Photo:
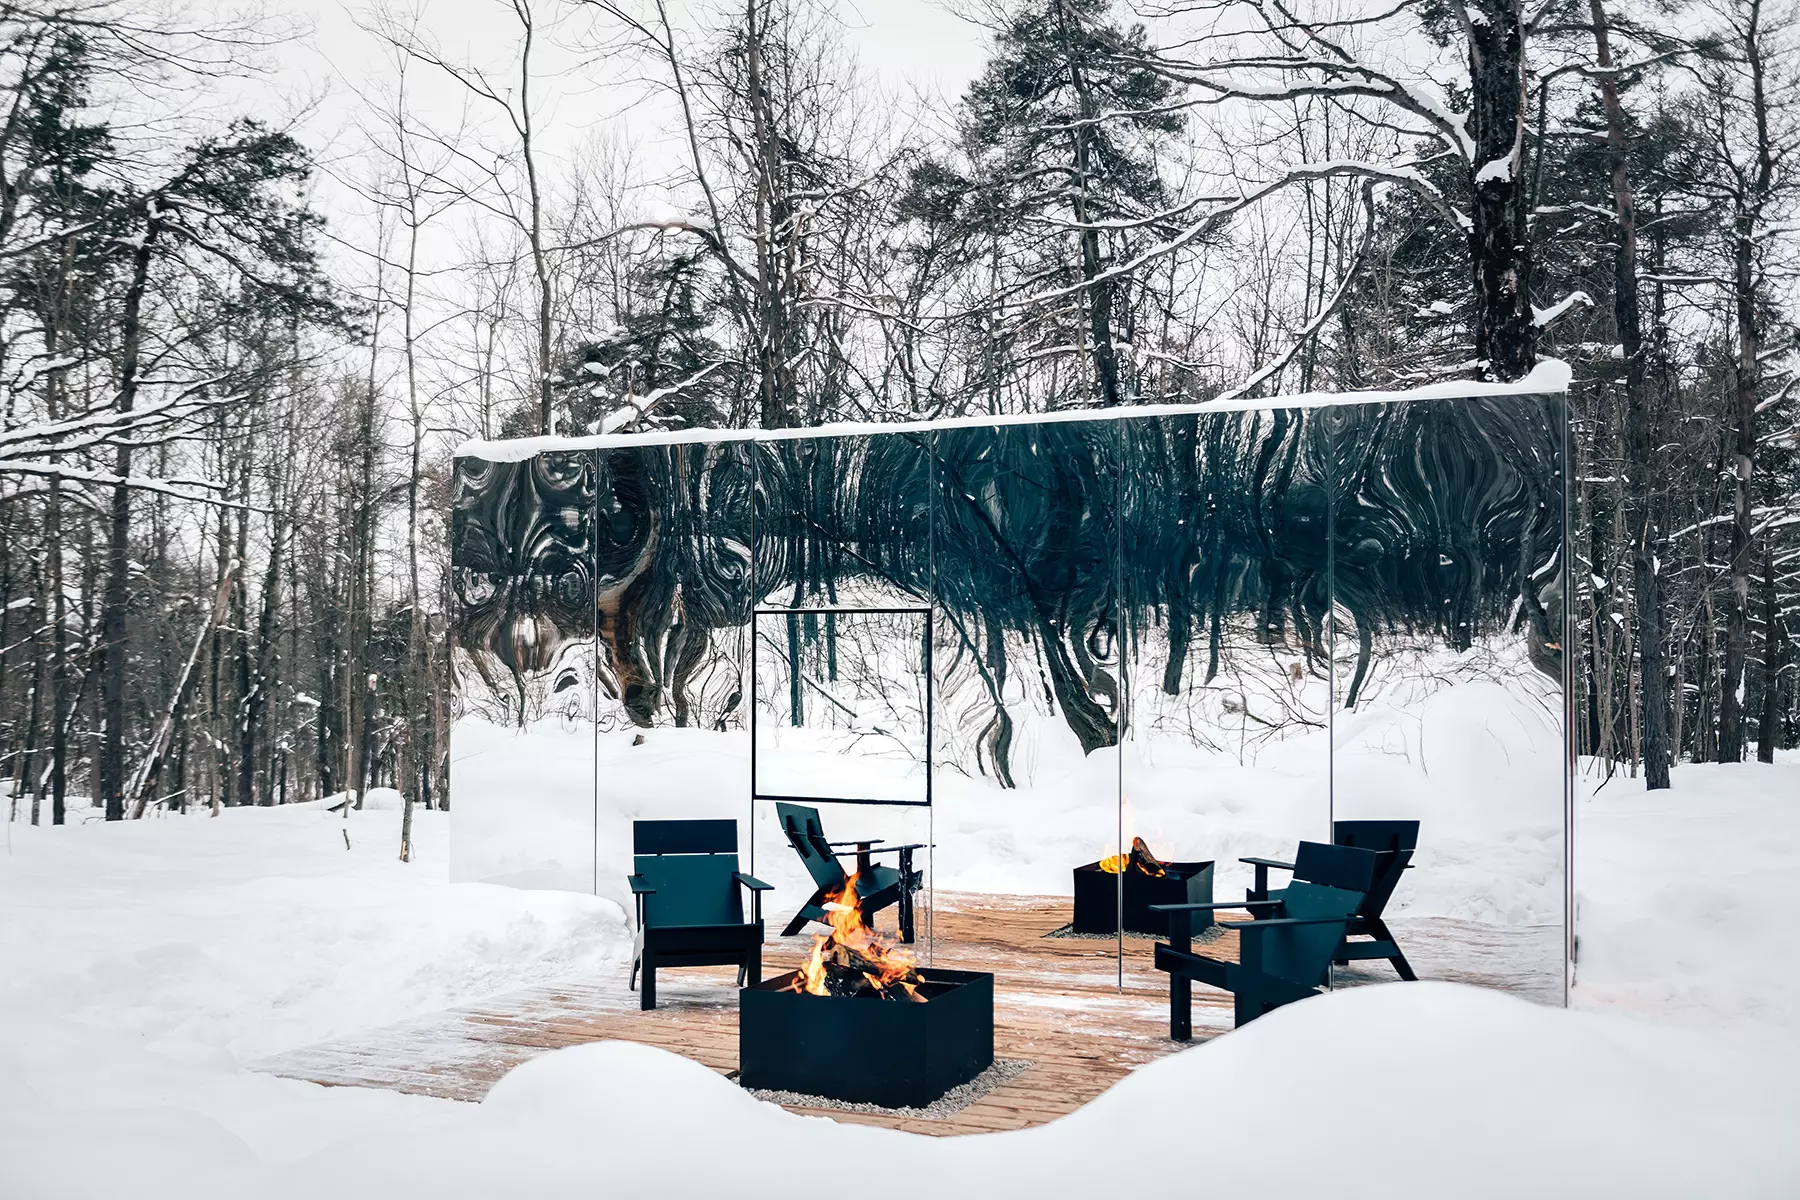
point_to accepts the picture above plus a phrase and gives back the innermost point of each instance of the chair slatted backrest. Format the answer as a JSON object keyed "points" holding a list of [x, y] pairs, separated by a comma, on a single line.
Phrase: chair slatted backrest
{"points": [[1348, 867], [1393, 841], [1303, 953], [692, 865], [807, 836]]}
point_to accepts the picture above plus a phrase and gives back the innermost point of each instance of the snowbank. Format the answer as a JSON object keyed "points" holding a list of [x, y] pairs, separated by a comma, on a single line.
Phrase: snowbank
{"points": [[265, 929], [1440, 1090], [1686, 897], [1458, 1091]]}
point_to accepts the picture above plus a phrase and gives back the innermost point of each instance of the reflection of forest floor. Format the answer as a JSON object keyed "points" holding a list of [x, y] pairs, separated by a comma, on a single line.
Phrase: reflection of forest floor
{"points": [[1085, 1018]]}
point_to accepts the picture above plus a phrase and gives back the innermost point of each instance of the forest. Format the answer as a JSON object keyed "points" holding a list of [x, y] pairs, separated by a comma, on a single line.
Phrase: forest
{"points": [[244, 326]]}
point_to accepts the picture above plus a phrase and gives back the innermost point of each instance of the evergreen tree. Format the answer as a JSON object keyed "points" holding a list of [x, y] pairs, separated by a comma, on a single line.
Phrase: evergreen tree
{"points": [[1062, 130], [660, 368]]}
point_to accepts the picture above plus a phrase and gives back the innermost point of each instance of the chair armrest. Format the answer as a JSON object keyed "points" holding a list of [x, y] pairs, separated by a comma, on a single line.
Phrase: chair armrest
{"points": [[1274, 921], [1268, 862], [858, 842], [639, 885], [873, 850], [752, 882], [1210, 907]]}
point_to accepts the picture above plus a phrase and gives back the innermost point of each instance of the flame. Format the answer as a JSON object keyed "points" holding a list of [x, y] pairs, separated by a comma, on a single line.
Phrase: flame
{"points": [[1140, 857], [851, 945]]}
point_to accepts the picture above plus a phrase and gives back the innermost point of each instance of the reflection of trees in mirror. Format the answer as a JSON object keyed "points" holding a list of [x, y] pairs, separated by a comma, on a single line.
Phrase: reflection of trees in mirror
{"points": [[1448, 521], [858, 672], [855, 680], [1210, 547], [522, 565]]}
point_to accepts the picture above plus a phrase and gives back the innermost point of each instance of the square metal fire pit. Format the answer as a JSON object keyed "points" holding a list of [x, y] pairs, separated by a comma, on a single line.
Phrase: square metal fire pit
{"points": [[1097, 897], [866, 1050]]}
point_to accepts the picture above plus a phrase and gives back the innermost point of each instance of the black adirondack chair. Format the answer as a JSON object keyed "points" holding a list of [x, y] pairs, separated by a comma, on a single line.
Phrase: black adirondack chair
{"points": [[877, 885], [690, 911], [1394, 842], [1284, 953]]}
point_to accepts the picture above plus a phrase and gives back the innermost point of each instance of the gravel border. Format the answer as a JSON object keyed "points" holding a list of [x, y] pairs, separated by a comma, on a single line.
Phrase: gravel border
{"points": [[1003, 1072], [1210, 934]]}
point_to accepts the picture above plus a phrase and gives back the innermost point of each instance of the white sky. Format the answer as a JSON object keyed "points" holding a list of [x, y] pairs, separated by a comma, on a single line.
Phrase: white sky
{"points": [[326, 78], [910, 46]]}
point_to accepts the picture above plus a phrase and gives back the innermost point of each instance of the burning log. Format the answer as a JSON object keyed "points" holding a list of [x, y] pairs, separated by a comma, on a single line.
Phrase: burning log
{"points": [[854, 960], [1140, 858]]}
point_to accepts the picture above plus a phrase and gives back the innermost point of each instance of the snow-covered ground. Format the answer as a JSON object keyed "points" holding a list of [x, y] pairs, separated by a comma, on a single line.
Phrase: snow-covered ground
{"points": [[141, 963], [265, 929], [1687, 898]]}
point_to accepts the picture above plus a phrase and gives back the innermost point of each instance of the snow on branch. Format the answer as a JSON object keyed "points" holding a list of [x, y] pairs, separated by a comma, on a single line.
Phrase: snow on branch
{"points": [[1403, 174], [1543, 318], [179, 488], [103, 426], [640, 406], [1298, 75]]}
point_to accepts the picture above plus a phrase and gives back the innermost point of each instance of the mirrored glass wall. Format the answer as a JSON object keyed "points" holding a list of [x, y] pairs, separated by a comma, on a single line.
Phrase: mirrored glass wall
{"points": [[1158, 644], [526, 653]]}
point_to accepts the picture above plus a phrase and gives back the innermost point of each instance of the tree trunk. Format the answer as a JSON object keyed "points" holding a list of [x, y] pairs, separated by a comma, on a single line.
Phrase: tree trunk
{"points": [[256, 700], [1499, 243], [1641, 431], [1768, 731], [54, 389], [1099, 291], [1745, 376], [774, 229], [144, 779], [118, 542], [28, 763]]}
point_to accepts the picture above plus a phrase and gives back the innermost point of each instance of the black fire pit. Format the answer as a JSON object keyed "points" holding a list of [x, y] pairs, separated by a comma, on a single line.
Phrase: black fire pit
{"points": [[1097, 896], [864, 1049]]}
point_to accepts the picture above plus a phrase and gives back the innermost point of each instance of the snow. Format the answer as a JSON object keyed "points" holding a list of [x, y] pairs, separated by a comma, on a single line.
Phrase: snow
{"points": [[258, 931], [1549, 376], [141, 962], [1497, 170], [1685, 897], [1468, 743], [1457, 1091], [383, 799], [1544, 317]]}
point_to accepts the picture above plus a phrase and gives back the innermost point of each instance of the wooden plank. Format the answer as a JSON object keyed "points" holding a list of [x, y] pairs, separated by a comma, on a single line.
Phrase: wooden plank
{"points": [[1062, 1002]]}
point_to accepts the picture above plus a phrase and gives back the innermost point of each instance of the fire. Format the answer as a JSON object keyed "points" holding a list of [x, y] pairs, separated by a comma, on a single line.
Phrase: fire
{"points": [[852, 955], [1140, 857]]}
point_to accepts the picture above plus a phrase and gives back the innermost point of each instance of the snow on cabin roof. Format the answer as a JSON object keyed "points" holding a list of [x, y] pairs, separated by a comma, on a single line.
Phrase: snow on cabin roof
{"points": [[1549, 376]]}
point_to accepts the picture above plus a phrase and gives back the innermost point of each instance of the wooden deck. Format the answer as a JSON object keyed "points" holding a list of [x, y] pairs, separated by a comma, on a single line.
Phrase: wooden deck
{"points": [[1057, 1002]]}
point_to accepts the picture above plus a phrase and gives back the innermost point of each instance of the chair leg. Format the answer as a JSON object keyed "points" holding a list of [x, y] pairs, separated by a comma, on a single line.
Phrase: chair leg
{"points": [[1399, 958], [805, 914], [742, 968], [1181, 1009], [636, 960], [647, 996], [754, 966], [908, 884]]}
